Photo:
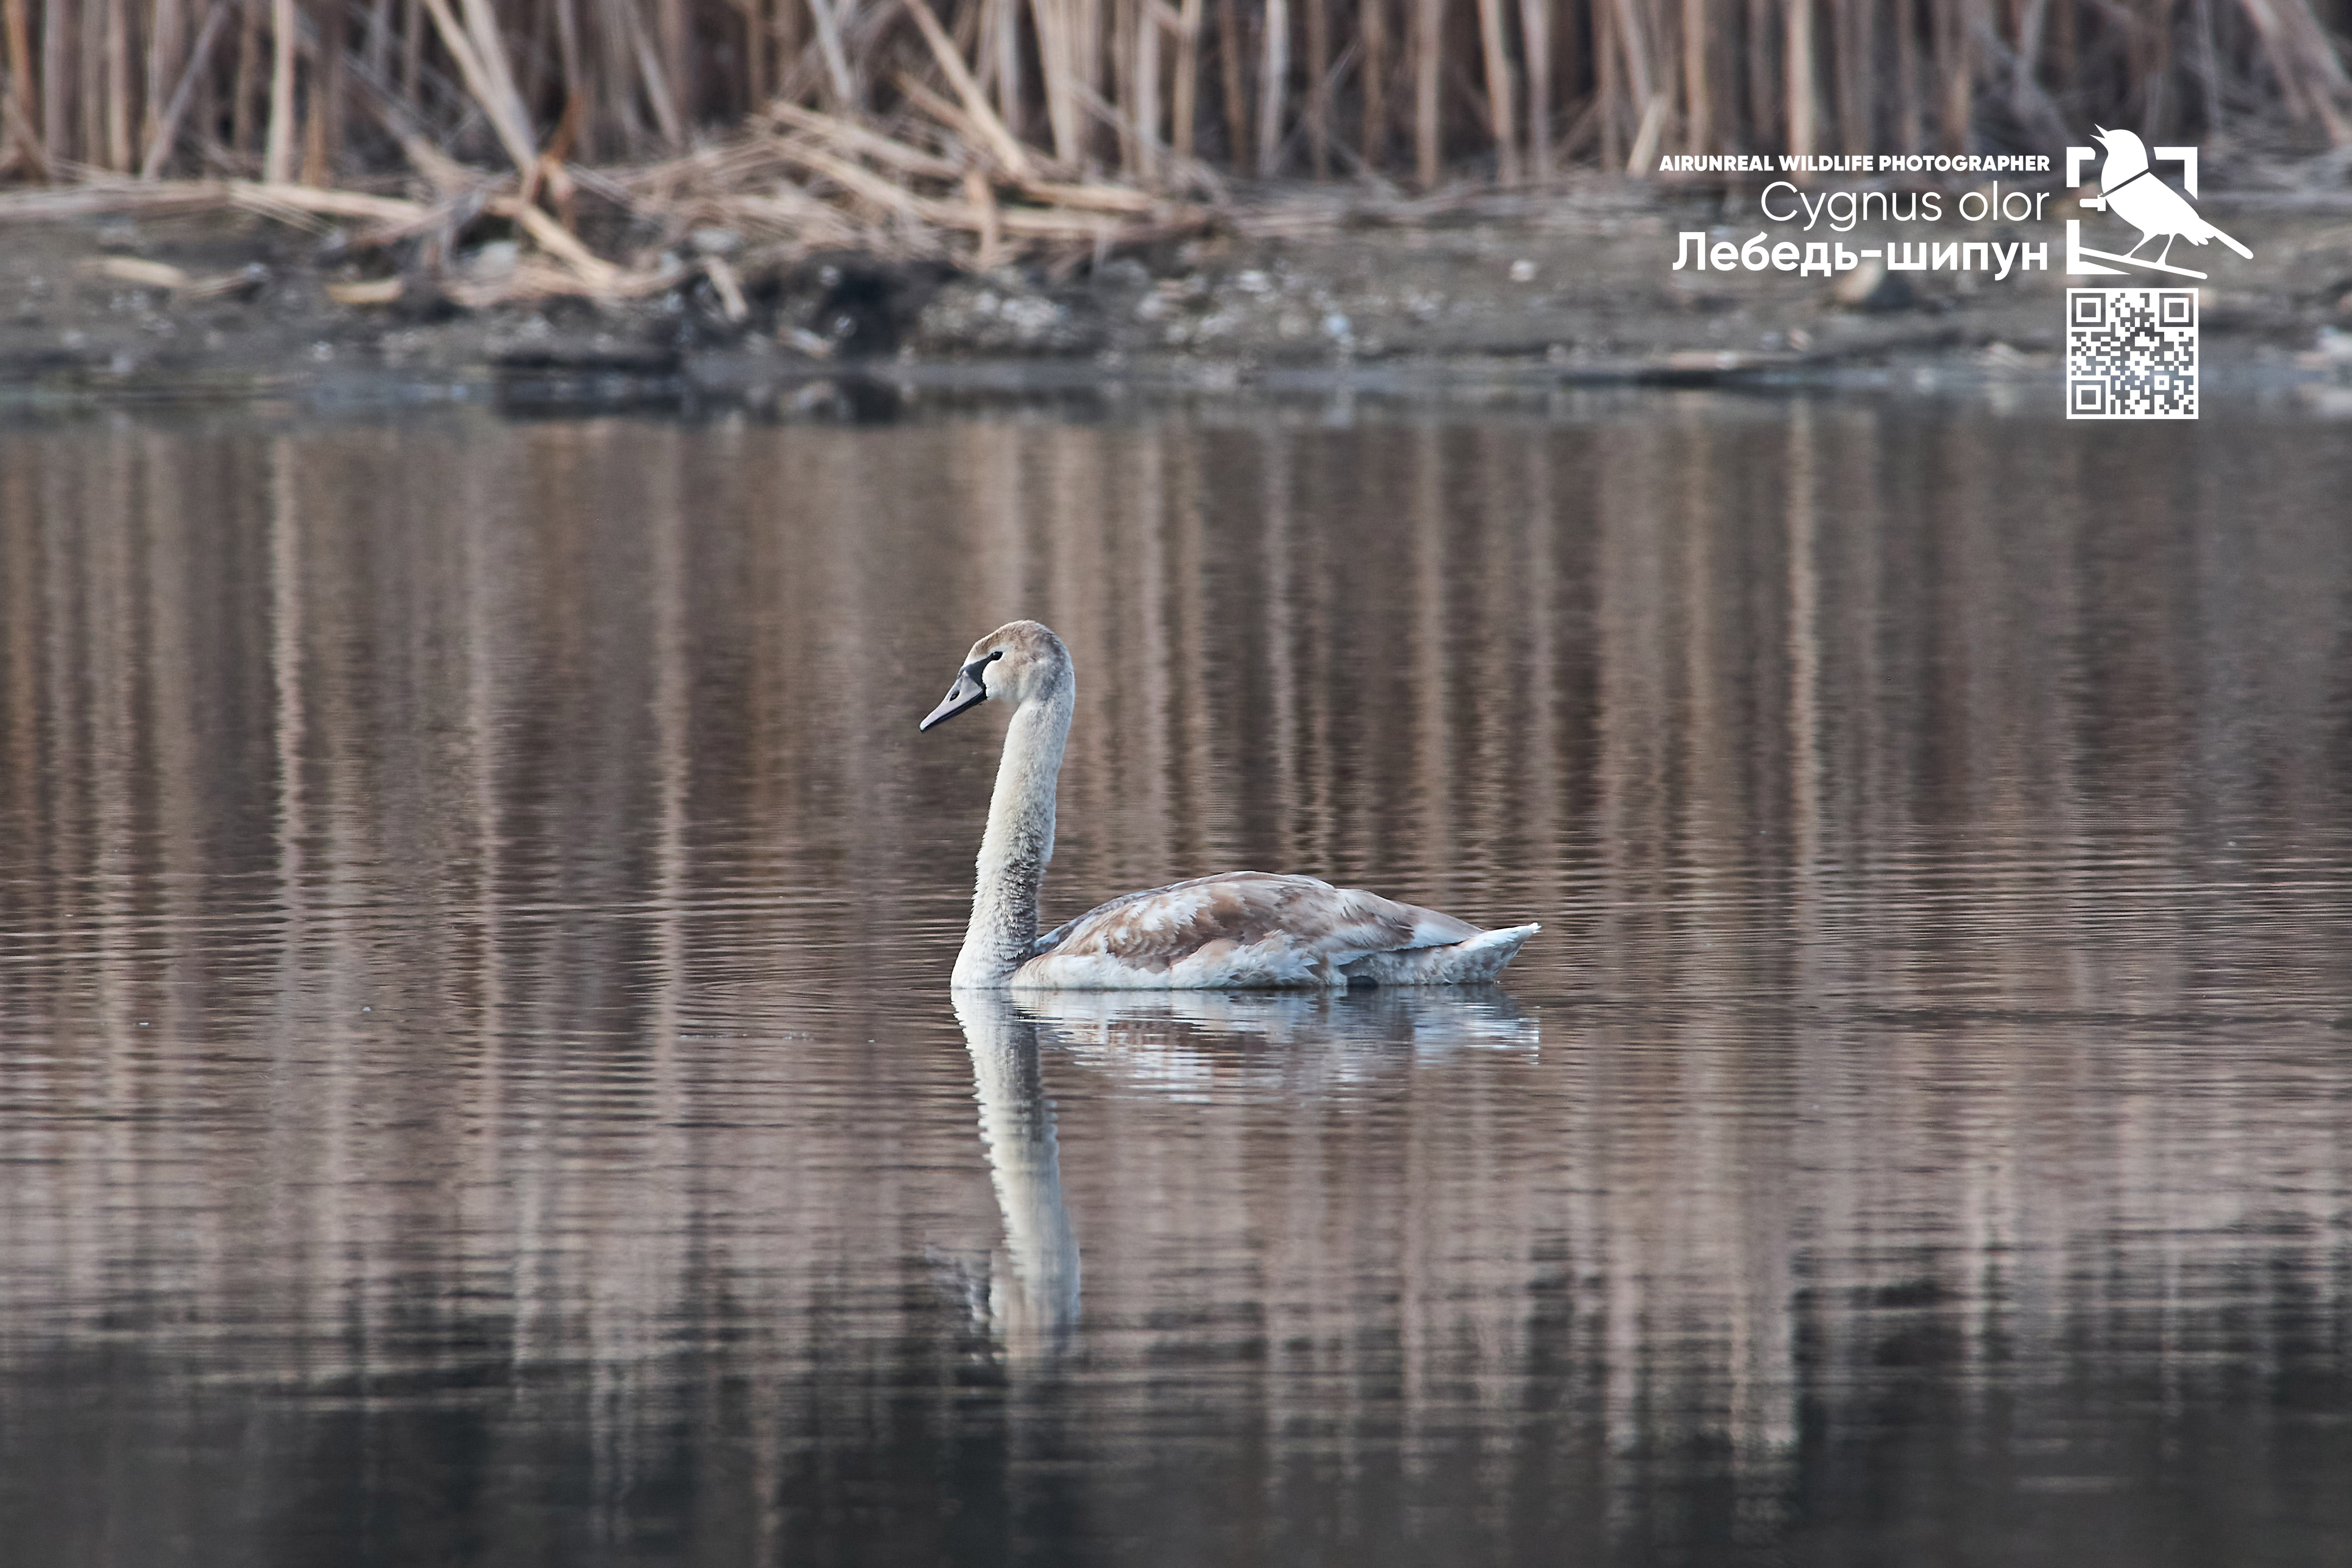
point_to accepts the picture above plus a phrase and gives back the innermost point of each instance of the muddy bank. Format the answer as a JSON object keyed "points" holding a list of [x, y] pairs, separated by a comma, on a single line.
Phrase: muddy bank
{"points": [[1581, 289]]}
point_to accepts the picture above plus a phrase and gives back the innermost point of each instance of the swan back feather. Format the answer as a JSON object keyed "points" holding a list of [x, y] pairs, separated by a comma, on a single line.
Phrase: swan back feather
{"points": [[1243, 928]]}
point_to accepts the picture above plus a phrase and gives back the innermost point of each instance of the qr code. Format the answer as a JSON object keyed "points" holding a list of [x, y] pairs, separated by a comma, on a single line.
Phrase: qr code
{"points": [[2131, 354]]}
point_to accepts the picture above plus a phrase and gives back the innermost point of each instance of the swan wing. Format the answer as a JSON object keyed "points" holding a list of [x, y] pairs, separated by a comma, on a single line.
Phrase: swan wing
{"points": [[1248, 911]]}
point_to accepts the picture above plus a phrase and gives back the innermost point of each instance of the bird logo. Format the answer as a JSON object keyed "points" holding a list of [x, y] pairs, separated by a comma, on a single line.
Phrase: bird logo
{"points": [[2129, 188]]}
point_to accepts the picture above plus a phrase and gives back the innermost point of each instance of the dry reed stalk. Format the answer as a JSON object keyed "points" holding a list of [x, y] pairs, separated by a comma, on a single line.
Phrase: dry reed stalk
{"points": [[981, 199], [1429, 49], [728, 287], [1535, 31], [858, 141], [339, 57], [961, 129], [1114, 199], [570, 59], [673, 33], [620, 67], [1089, 53], [278, 153], [53, 88], [242, 93], [1501, 117], [370, 291], [2028, 50], [146, 274], [1000, 142], [1319, 88], [2153, 48], [2305, 64], [1649, 135], [2209, 66], [1004, 38], [1642, 103], [1274, 76], [556, 241], [487, 78], [165, 42], [91, 90], [837, 59], [1804, 103], [376, 51], [1372, 37], [101, 59], [26, 97], [1698, 95], [1955, 73], [1609, 92], [1123, 45], [1231, 47], [118, 86], [1187, 105], [319, 132], [411, 48], [503, 101], [167, 124], [885, 196], [1857, 84], [1055, 46], [21, 131], [1640, 78], [1764, 120], [90, 200], [1908, 115], [795, 30], [1149, 25]]}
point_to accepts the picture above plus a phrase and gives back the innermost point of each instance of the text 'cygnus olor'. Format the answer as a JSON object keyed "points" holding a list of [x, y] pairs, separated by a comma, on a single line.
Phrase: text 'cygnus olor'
{"points": [[1240, 929]]}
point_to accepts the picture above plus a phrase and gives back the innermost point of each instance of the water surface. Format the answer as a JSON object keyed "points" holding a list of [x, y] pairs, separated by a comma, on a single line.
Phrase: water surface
{"points": [[478, 1082]]}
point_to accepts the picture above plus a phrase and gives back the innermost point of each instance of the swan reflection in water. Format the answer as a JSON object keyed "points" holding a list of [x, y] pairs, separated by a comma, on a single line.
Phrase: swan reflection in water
{"points": [[1302, 1045], [1034, 1311], [1182, 1046]]}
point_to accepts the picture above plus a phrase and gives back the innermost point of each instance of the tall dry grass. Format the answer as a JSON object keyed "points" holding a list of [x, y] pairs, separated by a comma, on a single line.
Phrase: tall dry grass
{"points": [[1154, 91]]}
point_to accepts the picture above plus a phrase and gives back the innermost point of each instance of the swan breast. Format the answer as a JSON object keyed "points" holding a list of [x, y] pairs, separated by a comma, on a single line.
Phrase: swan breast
{"points": [[1243, 928]]}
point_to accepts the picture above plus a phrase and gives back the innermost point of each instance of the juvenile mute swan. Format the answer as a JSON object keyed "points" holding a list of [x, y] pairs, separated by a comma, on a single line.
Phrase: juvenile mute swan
{"points": [[1243, 928]]}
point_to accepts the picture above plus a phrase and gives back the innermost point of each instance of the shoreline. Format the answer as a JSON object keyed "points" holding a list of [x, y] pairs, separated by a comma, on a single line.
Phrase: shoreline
{"points": [[1577, 291]]}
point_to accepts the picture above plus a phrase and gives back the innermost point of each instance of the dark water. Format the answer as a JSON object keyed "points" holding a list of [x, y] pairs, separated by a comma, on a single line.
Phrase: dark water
{"points": [[479, 1085]]}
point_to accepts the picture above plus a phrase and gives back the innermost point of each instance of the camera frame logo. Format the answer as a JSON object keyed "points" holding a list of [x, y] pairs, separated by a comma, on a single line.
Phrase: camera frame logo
{"points": [[2131, 352]]}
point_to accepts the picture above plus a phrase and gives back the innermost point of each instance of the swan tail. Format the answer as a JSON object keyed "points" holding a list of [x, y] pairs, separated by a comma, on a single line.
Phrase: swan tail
{"points": [[1466, 962]]}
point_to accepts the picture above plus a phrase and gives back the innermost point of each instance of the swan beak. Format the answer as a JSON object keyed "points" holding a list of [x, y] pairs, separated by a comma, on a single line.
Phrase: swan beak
{"points": [[967, 692]]}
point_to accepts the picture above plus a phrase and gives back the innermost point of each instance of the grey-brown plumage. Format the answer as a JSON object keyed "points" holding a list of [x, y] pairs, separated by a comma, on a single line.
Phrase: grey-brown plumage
{"points": [[1162, 926]]}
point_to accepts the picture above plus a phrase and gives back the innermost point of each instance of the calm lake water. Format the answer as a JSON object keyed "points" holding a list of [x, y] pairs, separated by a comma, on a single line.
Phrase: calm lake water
{"points": [[477, 1081]]}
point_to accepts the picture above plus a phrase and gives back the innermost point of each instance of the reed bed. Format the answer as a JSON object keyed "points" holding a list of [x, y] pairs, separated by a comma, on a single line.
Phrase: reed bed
{"points": [[996, 128]]}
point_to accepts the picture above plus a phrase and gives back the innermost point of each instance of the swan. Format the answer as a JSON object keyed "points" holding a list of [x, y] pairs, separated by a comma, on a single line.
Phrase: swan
{"points": [[1237, 928]]}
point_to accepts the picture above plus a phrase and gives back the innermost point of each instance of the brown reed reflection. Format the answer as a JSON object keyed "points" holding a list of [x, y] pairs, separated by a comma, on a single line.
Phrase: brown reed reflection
{"points": [[476, 914]]}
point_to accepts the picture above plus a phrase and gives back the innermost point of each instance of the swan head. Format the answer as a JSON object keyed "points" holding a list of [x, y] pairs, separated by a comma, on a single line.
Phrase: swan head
{"points": [[1015, 662]]}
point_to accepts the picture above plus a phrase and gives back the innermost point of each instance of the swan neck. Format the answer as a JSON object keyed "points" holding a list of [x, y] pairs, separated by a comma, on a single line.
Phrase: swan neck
{"points": [[1019, 842]]}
